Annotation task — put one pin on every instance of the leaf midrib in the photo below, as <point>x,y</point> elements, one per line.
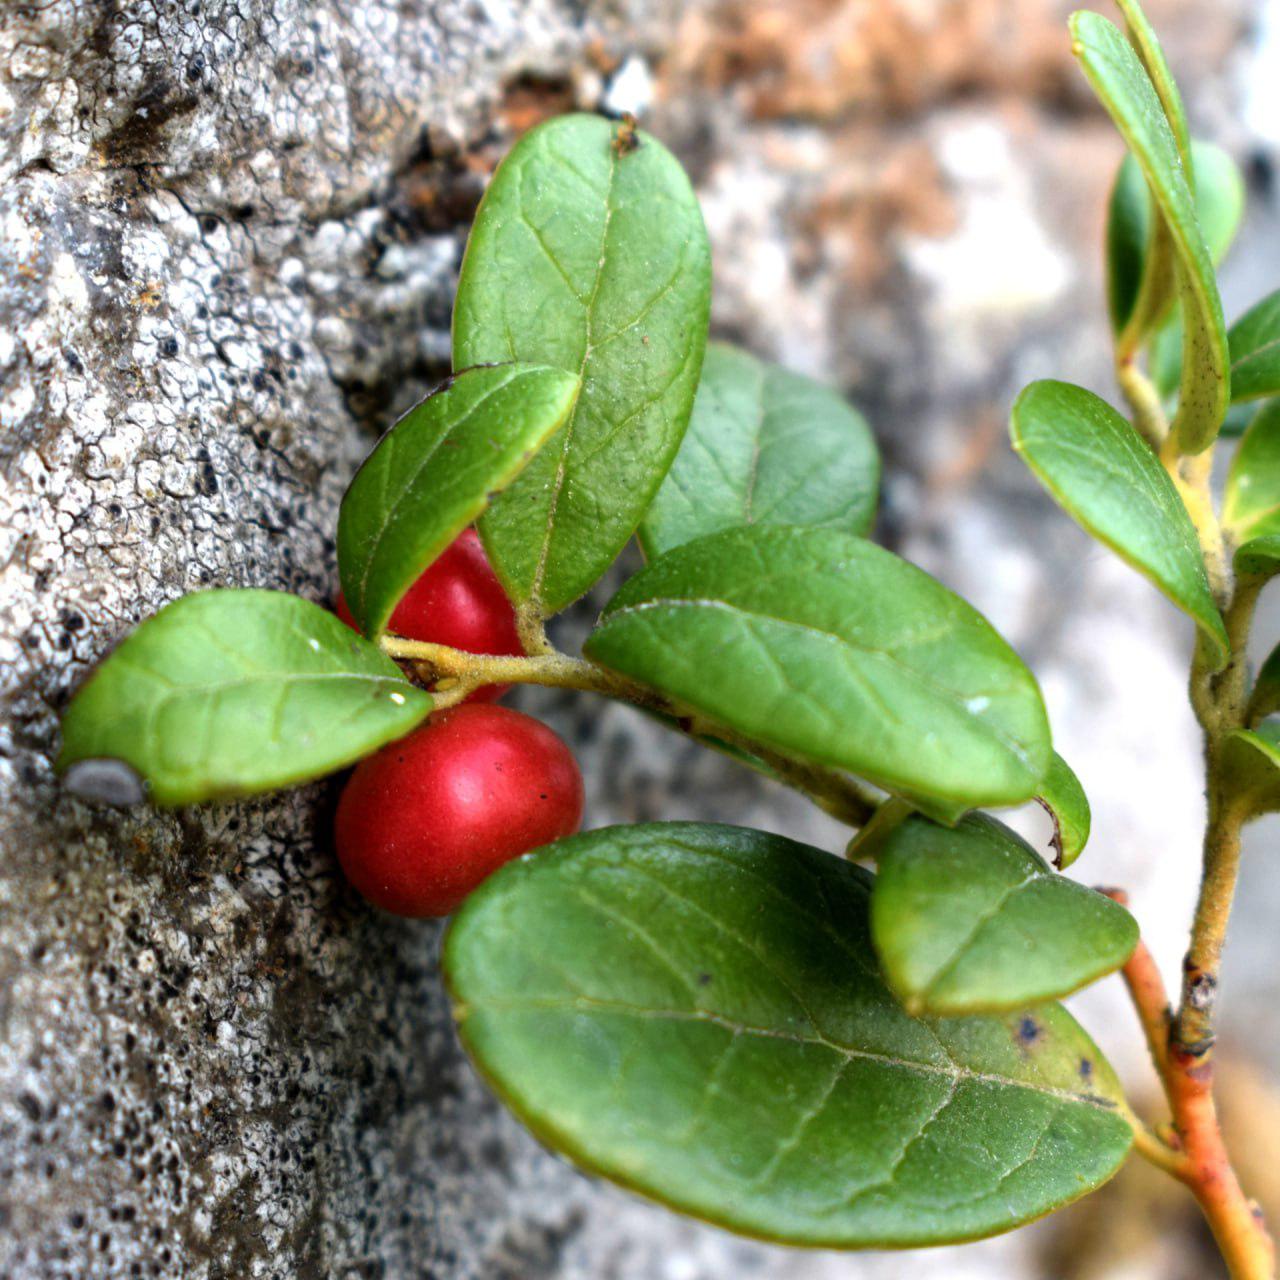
<point>562,465</point>
<point>956,700</point>
<point>951,1070</point>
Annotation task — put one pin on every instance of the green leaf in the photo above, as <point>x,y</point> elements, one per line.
<point>1098,469</point>
<point>229,693</point>
<point>696,1012</point>
<point>434,472</point>
<point>1251,507</point>
<point>1220,197</point>
<point>1241,416</point>
<point>1147,46</point>
<point>823,645</point>
<point>1265,700</point>
<point>971,920</point>
<point>589,254</point>
<point>1064,798</point>
<point>1255,351</point>
<point>764,446</point>
<point>1252,760</point>
<point>1130,262</point>
<point>1124,88</point>
<point>1259,557</point>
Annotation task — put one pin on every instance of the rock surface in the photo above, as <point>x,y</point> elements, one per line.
<point>228,240</point>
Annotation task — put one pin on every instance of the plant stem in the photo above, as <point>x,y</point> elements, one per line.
<point>1148,413</point>
<point>833,791</point>
<point>1182,1044</point>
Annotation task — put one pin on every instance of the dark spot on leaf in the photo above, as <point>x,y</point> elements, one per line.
<point>704,979</point>
<point>1029,1030</point>
<point>1086,1069</point>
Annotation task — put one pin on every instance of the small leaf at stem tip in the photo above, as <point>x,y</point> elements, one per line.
<point>1101,473</point>
<point>1252,759</point>
<point>696,1013</point>
<point>1064,799</point>
<point>1251,507</point>
<point>1125,89</point>
<point>231,693</point>
<point>820,644</point>
<point>972,920</point>
<point>588,253</point>
<point>435,471</point>
<point>764,446</point>
<point>1255,351</point>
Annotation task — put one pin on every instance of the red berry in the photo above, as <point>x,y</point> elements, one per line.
<point>457,601</point>
<point>426,819</point>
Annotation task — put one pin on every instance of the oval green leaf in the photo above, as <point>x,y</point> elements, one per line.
<point>1125,89</point>
<point>696,1012</point>
<point>823,645</point>
<point>764,446</point>
<point>1220,200</point>
<point>1137,269</point>
<point>229,693</point>
<point>435,471</point>
<point>1098,469</point>
<point>1251,507</point>
<point>588,253</point>
<point>1255,351</point>
<point>1146,44</point>
<point>1265,699</point>
<point>1063,797</point>
<point>971,919</point>
<point>1259,557</point>
<point>1252,758</point>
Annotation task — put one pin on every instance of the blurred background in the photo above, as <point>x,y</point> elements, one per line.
<point>230,239</point>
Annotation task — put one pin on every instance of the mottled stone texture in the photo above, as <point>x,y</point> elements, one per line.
<point>229,232</point>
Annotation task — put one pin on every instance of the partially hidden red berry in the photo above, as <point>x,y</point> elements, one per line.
<point>458,601</point>
<point>426,819</point>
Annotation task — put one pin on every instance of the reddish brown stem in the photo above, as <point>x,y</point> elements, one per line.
<point>1199,1157</point>
<point>1236,1221</point>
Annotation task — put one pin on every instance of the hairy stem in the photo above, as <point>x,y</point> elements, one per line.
<point>1148,413</point>
<point>462,673</point>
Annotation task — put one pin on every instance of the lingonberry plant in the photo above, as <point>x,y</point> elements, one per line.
<point>761,1033</point>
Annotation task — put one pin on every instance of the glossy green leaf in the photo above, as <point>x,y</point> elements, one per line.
<point>1252,759</point>
<point>1146,44</point>
<point>1251,507</point>
<point>971,920</point>
<point>589,254</point>
<point>1255,351</point>
<point>229,693</point>
<point>1130,261</point>
<point>1259,557</point>
<point>1124,88</point>
<point>435,471</point>
<point>696,1012</point>
<point>1265,700</point>
<point>1220,198</point>
<point>1240,417</point>
<point>821,644</point>
<point>1099,470</point>
<point>1064,798</point>
<point>764,446</point>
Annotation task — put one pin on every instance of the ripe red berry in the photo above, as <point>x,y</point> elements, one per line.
<point>426,819</point>
<point>458,601</point>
